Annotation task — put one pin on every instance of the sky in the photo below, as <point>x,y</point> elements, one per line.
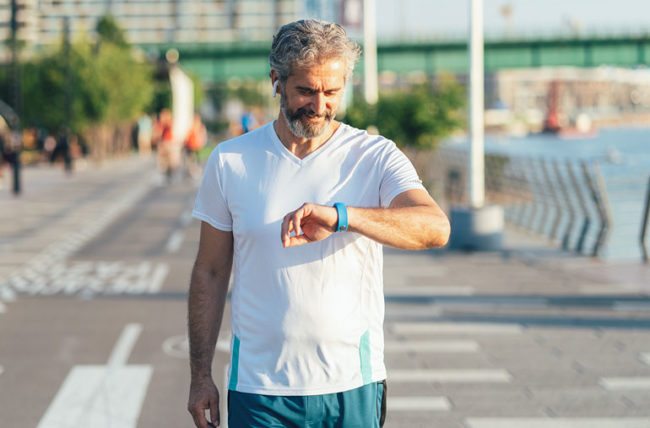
<point>417,19</point>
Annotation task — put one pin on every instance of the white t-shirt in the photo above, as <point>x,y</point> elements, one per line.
<point>305,320</point>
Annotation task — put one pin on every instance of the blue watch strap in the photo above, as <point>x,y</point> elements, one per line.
<point>342,224</point>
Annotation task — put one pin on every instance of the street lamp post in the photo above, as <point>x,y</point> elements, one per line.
<point>476,165</point>
<point>16,142</point>
<point>476,227</point>
<point>369,52</point>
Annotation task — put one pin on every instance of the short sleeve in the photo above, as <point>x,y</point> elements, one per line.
<point>399,175</point>
<point>210,205</point>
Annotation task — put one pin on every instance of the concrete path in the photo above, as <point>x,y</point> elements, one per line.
<point>93,276</point>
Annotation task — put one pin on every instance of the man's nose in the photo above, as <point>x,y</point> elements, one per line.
<point>319,102</point>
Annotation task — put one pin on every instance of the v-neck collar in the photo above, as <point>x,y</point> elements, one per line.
<point>295,159</point>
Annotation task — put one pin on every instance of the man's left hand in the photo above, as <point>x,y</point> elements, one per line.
<point>309,223</point>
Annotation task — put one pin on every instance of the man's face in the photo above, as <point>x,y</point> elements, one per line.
<point>311,96</point>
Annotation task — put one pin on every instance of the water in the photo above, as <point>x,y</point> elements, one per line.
<point>623,157</point>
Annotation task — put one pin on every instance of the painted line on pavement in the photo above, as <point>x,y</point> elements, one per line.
<point>102,396</point>
<point>645,357</point>
<point>186,218</point>
<point>158,278</point>
<point>175,240</point>
<point>178,236</point>
<point>453,328</point>
<point>602,290</point>
<point>631,306</point>
<point>432,346</point>
<point>411,404</point>
<point>558,422</point>
<point>124,346</point>
<point>625,383</point>
<point>427,290</point>
<point>451,375</point>
<point>3,308</point>
<point>224,403</point>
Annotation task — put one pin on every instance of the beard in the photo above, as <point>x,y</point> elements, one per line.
<point>299,123</point>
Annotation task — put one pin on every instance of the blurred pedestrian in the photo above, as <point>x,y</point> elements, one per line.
<point>11,149</point>
<point>144,134</point>
<point>247,122</point>
<point>169,150</point>
<point>62,150</point>
<point>196,139</point>
<point>307,304</point>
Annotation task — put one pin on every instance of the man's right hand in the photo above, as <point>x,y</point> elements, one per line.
<point>204,396</point>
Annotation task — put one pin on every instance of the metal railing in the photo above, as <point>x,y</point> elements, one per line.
<point>644,224</point>
<point>564,201</point>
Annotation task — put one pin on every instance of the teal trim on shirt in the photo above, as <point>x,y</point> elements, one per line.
<point>364,357</point>
<point>234,365</point>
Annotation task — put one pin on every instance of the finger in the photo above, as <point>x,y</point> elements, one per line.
<point>198,414</point>
<point>295,241</point>
<point>215,417</point>
<point>297,219</point>
<point>285,230</point>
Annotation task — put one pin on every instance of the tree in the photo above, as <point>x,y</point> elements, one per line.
<point>109,32</point>
<point>418,118</point>
<point>104,83</point>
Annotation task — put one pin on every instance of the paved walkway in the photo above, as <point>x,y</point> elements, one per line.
<point>525,337</point>
<point>57,213</point>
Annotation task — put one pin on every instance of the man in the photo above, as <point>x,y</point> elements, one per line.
<point>307,302</point>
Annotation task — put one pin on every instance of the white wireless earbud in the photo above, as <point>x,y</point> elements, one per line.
<point>275,88</point>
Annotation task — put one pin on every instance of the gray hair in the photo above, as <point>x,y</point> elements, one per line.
<point>307,42</point>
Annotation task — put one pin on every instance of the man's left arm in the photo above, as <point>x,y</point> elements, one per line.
<point>413,221</point>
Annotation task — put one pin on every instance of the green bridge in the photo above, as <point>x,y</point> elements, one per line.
<point>217,62</point>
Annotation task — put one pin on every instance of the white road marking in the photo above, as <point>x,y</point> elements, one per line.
<point>89,278</point>
<point>429,290</point>
<point>177,347</point>
<point>432,346</point>
<point>102,396</point>
<point>223,344</point>
<point>645,357</point>
<point>558,422</point>
<point>3,308</point>
<point>158,277</point>
<point>603,289</point>
<point>6,293</point>
<point>414,312</point>
<point>453,328</point>
<point>631,306</point>
<point>451,375</point>
<point>625,383</point>
<point>125,344</point>
<point>224,403</point>
<point>57,252</point>
<point>175,240</point>
<point>2,370</point>
<point>186,218</point>
<point>410,404</point>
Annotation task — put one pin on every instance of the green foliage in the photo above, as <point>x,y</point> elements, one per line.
<point>109,32</point>
<point>105,84</point>
<point>419,117</point>
<point>199,92</point>
<point>126,83</point>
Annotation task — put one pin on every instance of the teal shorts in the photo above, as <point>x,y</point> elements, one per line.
<point>363,407</point>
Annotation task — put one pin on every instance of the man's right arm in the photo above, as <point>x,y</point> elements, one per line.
<point>207,299</point>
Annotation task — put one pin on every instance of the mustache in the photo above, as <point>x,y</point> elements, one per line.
<point>328,114</point>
